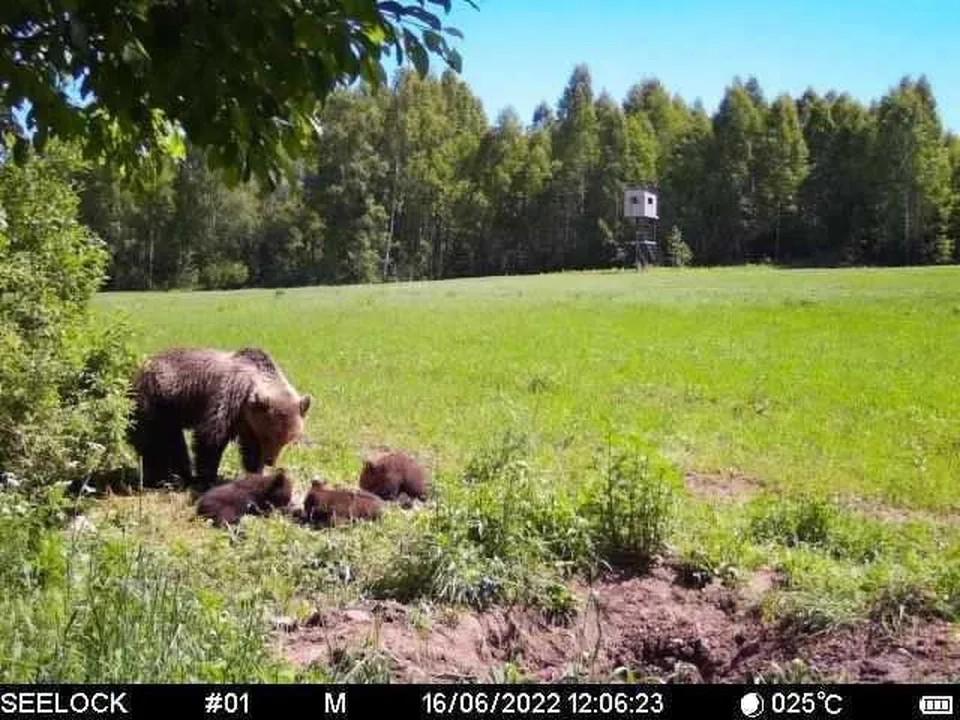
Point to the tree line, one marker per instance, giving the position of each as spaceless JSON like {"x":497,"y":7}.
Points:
{"x":411,"y":181}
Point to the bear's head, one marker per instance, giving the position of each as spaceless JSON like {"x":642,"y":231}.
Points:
{"x":311,"y":512}
{"x":279,"y":491}
{"x":275,"y":416}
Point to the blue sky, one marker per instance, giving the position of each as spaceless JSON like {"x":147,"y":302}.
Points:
{"x":519,"y":52}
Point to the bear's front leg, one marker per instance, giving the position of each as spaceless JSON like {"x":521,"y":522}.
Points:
{"x":207,"y":454}
{"x":250,"y":454}
{"x":160,"y":444}
{"x":179,"y":457}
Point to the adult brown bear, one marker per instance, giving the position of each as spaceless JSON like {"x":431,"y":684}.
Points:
{"x":251,"y":495}
{"x":220,"y":396}
{"x":324,"y":505}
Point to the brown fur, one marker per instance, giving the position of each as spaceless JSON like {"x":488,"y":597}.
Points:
{"x":220,"y":396}
{"x":251,"y":495}
{"x":392,"y":473}
{"x":334,"y":506}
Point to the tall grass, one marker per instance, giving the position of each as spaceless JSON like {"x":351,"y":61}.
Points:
{"x":87,"y":609}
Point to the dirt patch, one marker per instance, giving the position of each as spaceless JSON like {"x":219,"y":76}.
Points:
{"x":887,"y":513}
{"x":728,"y":487}
{"x":649,"y":625}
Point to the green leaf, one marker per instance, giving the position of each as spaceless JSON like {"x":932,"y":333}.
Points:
{"x":307,"y":31}
{"x":174,"y":145}
{"x":419,"y":57}
{"x":434,"y":42}
{"x":427,"y":18}
{"x":134,"y":53}
{"x":391,"y":7}
{"x":376,"y":34}
{"x":455,"y":61}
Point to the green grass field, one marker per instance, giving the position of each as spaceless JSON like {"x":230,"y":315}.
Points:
{"x":834,"y":391}
{"x":839,"y":380}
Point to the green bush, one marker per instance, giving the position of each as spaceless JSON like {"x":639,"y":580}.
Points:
{"x":793,"y":521}
{"x":819,"y":523}
{"x":224,"y":275}
{"x":631,"y":505}
{"x":500,"y":533}
{"x":679,"y":253}
{"x":63,"y":404}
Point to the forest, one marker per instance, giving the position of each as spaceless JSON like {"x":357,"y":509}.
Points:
{"x":410,"y":181}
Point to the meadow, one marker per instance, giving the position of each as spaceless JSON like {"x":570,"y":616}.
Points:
{"x":803,"y":422}
{"x":843,"y":380}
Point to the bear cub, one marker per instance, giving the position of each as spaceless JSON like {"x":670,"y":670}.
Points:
{"x":390,"y":474}
{"x":255,"y":494}
{"x":324,"y":505}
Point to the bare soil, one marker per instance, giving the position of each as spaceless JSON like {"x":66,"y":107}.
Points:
{"x":726,"y":487}
{"x":651,"y":625}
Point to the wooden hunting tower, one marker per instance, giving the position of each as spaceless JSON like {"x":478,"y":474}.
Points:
{"x":640,"y":203}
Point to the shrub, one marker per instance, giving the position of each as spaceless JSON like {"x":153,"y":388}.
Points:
{"x":819,"y":523}
{"x":62,"y":381}
{"x":631,"y":504}
{"x":506,"y":455}
{"x":679,"y":253}
{"x":502,"y":532}
{"x":793,"y":521}
{"x":224,"y":275}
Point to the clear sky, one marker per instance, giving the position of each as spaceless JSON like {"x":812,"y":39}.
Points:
{"x":519,"y":52}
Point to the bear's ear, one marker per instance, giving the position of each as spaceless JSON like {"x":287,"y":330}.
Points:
{"x":305,"y":405}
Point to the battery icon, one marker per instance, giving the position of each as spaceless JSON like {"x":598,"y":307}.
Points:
{"x":936,"y":705}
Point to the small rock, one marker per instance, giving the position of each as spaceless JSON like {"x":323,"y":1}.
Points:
{"x":686,"y":673}
{"x":81,"y":525}
{"x":9,"y":480}
{"x":875,"y":668}
{"x":358,"y":616}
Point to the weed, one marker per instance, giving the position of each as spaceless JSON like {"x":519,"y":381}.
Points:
{"x":794,"y":672}
{"x":115,"y":611}
{"x":365,"y":665}
{"x":508,"y":674}
{"x":792,"y":522}
{"x":631,"y":506}
{"x":506,"y":533}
